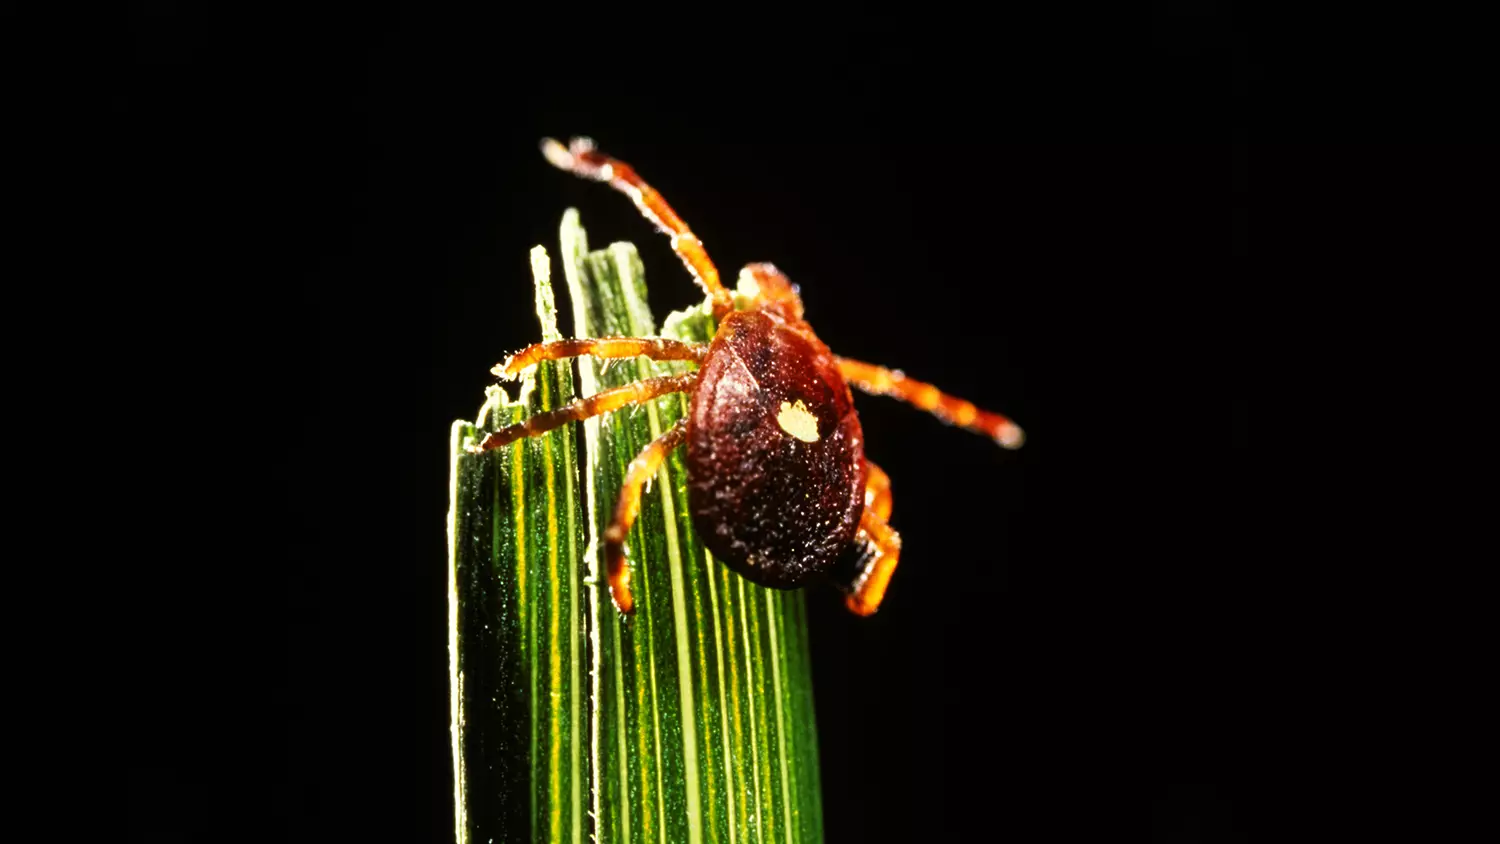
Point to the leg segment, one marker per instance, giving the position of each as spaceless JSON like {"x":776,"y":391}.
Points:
{"x":951,"y":409}
{"x":869,"y":587}
{"x":601,"y":402}
{"x":656,"y":348}
{"x":581,"y":159}
{"x":642,"y":469}
{"x":877,"y":491}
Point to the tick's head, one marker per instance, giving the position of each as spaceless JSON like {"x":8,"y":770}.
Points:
{"x":771,"y":291}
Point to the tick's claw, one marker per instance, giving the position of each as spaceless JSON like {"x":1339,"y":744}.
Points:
{"x":619,"y":588}
{"x":1011,"y":437}
{"x":557,"y":154}
{"x":623,"y":602}
{"x":578,"y":158}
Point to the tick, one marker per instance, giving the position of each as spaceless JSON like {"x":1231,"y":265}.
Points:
{"x":778,"y":483}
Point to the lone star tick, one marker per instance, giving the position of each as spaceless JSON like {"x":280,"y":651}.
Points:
{"x":778,"y":483}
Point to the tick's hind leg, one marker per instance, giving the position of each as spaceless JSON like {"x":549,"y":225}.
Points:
{"x":642,"y":469}
{"x":950,"y":409}
{"x":601,"y":402}
{"x":581,"y":159}
{"x":877,"y":491}
{"x":655,"y":348}
{"x":868,"y":589}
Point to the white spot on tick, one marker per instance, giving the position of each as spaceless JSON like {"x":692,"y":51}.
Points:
{"x":798,"y":421}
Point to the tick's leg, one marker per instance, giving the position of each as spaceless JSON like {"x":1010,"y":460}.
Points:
{"x":656,"y":348}
{"x":877,"y":491}
{"x":950,"y":409}
{"x":869,"y":587}
{"x":581,"y":159}
{"x":601,"y":402}
{"x":642,"y":469}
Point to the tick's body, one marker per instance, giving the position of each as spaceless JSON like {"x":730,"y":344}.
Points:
{"x":776,"y":459}
{"x":778,"y":483}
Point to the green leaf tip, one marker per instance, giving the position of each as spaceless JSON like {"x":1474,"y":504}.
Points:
{"x":689,"y":721}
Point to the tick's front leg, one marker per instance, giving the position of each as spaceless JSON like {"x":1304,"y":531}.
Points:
{"x":581,"y":159}
{"x":598,"y":404}
{"x":868,"y":589}
{"x":607,"y":348}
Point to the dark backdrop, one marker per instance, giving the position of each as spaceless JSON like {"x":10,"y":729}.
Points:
{"x":1040,"y":212}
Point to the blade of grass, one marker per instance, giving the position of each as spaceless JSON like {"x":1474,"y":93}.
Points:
{"x":515,"y":534}
{"x":698,"y":708}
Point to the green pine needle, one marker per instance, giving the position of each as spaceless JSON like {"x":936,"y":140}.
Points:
{"x":692,"y":720}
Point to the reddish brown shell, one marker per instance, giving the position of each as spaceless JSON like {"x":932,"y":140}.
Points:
{"x":775,"y":452}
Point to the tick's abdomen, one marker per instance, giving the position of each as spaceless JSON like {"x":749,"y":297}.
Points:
{"x":775,"y":452}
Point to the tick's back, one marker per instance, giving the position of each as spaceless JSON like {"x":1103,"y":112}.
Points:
{"x":775,"y":452}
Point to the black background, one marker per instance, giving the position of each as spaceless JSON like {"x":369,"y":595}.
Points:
{"x":1043,"y":212}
